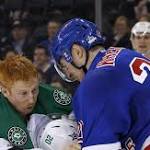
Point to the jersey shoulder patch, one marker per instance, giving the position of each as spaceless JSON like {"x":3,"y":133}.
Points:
{"x":110,"y":57}
{"x":61,"y":97}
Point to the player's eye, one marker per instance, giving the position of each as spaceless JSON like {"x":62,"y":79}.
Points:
{"x":23,"y":93}
{"x":35,"y":90}
{"x":146,"y":37}
{"x":138,"y":37}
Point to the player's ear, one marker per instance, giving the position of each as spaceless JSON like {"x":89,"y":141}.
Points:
{"x":77,"y":51}
{"x":4,"y":91}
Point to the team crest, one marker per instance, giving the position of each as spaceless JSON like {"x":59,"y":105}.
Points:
{"x":61,"y":97}
{"x":17,"y":136}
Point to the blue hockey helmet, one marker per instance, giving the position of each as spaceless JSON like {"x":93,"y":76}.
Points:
{"x":75,"y":31}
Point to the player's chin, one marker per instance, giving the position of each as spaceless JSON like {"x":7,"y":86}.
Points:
{"x":72,"y":78}
{"x":142,"y":49}
{"x":28,"y":110}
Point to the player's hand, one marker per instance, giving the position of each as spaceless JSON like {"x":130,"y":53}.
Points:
{"x":73,"y":147}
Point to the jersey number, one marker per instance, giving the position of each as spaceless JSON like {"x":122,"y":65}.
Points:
{"x":138,"y":67}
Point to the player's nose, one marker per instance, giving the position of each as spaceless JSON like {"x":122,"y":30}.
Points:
{"x":31,"y":98}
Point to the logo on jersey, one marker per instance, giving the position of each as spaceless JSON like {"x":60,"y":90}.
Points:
{"x":17,"y":136}
{"x":109,"y":58}
{"x":61,"y":97}
{"x":80,"y":132}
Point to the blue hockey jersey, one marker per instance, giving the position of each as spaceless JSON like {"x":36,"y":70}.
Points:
{"x":112,"y":103}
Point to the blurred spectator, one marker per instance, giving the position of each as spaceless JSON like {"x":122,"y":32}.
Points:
{"x":42,"y":61}
{"x":21,"y":39}
{"x":15,"y":15}
{"x":41,"y":76}
{"x":141,"y":8}
{"x":8,"y":51}
{"x":57,"y":82}
{"x":121,"y":31}
{"x":52,"y":28}
{"x":134,"y":9}
{"x":140,"y":37}
{"x":145,"y":17}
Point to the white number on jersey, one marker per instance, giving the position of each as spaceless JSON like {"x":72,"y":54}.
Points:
{"x":138,"y":67}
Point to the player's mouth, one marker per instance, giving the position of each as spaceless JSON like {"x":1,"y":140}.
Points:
{"x":72,"y":77}
{"x":142,"y":46}
{"x":29,"y":108}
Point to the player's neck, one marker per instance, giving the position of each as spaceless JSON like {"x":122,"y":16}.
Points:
{"x":92,"y":54}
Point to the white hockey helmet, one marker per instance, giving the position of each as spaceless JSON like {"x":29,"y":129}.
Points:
{"x":140,"y":28}
{"x":58,"y":134}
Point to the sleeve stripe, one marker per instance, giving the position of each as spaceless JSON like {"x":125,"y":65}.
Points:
{"x":146,"y":145}
{"x":111,"y":146}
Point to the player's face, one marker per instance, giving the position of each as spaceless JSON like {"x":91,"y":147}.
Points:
{"x":23,"y":95}
{"x":70,"y":71}
{"x":141,"y":43}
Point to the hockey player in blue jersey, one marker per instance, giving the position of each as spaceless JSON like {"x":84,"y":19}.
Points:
{"x":112,"y":102}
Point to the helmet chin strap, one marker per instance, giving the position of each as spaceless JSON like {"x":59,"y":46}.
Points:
{"x":83,"y":66}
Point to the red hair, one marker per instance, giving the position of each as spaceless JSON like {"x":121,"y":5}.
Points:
{"x":16,"y":68}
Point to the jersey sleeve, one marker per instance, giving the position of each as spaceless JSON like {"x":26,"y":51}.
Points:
{"x":112,"y":146}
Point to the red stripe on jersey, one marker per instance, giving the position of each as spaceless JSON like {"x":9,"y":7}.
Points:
{"x":147,"y":147}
